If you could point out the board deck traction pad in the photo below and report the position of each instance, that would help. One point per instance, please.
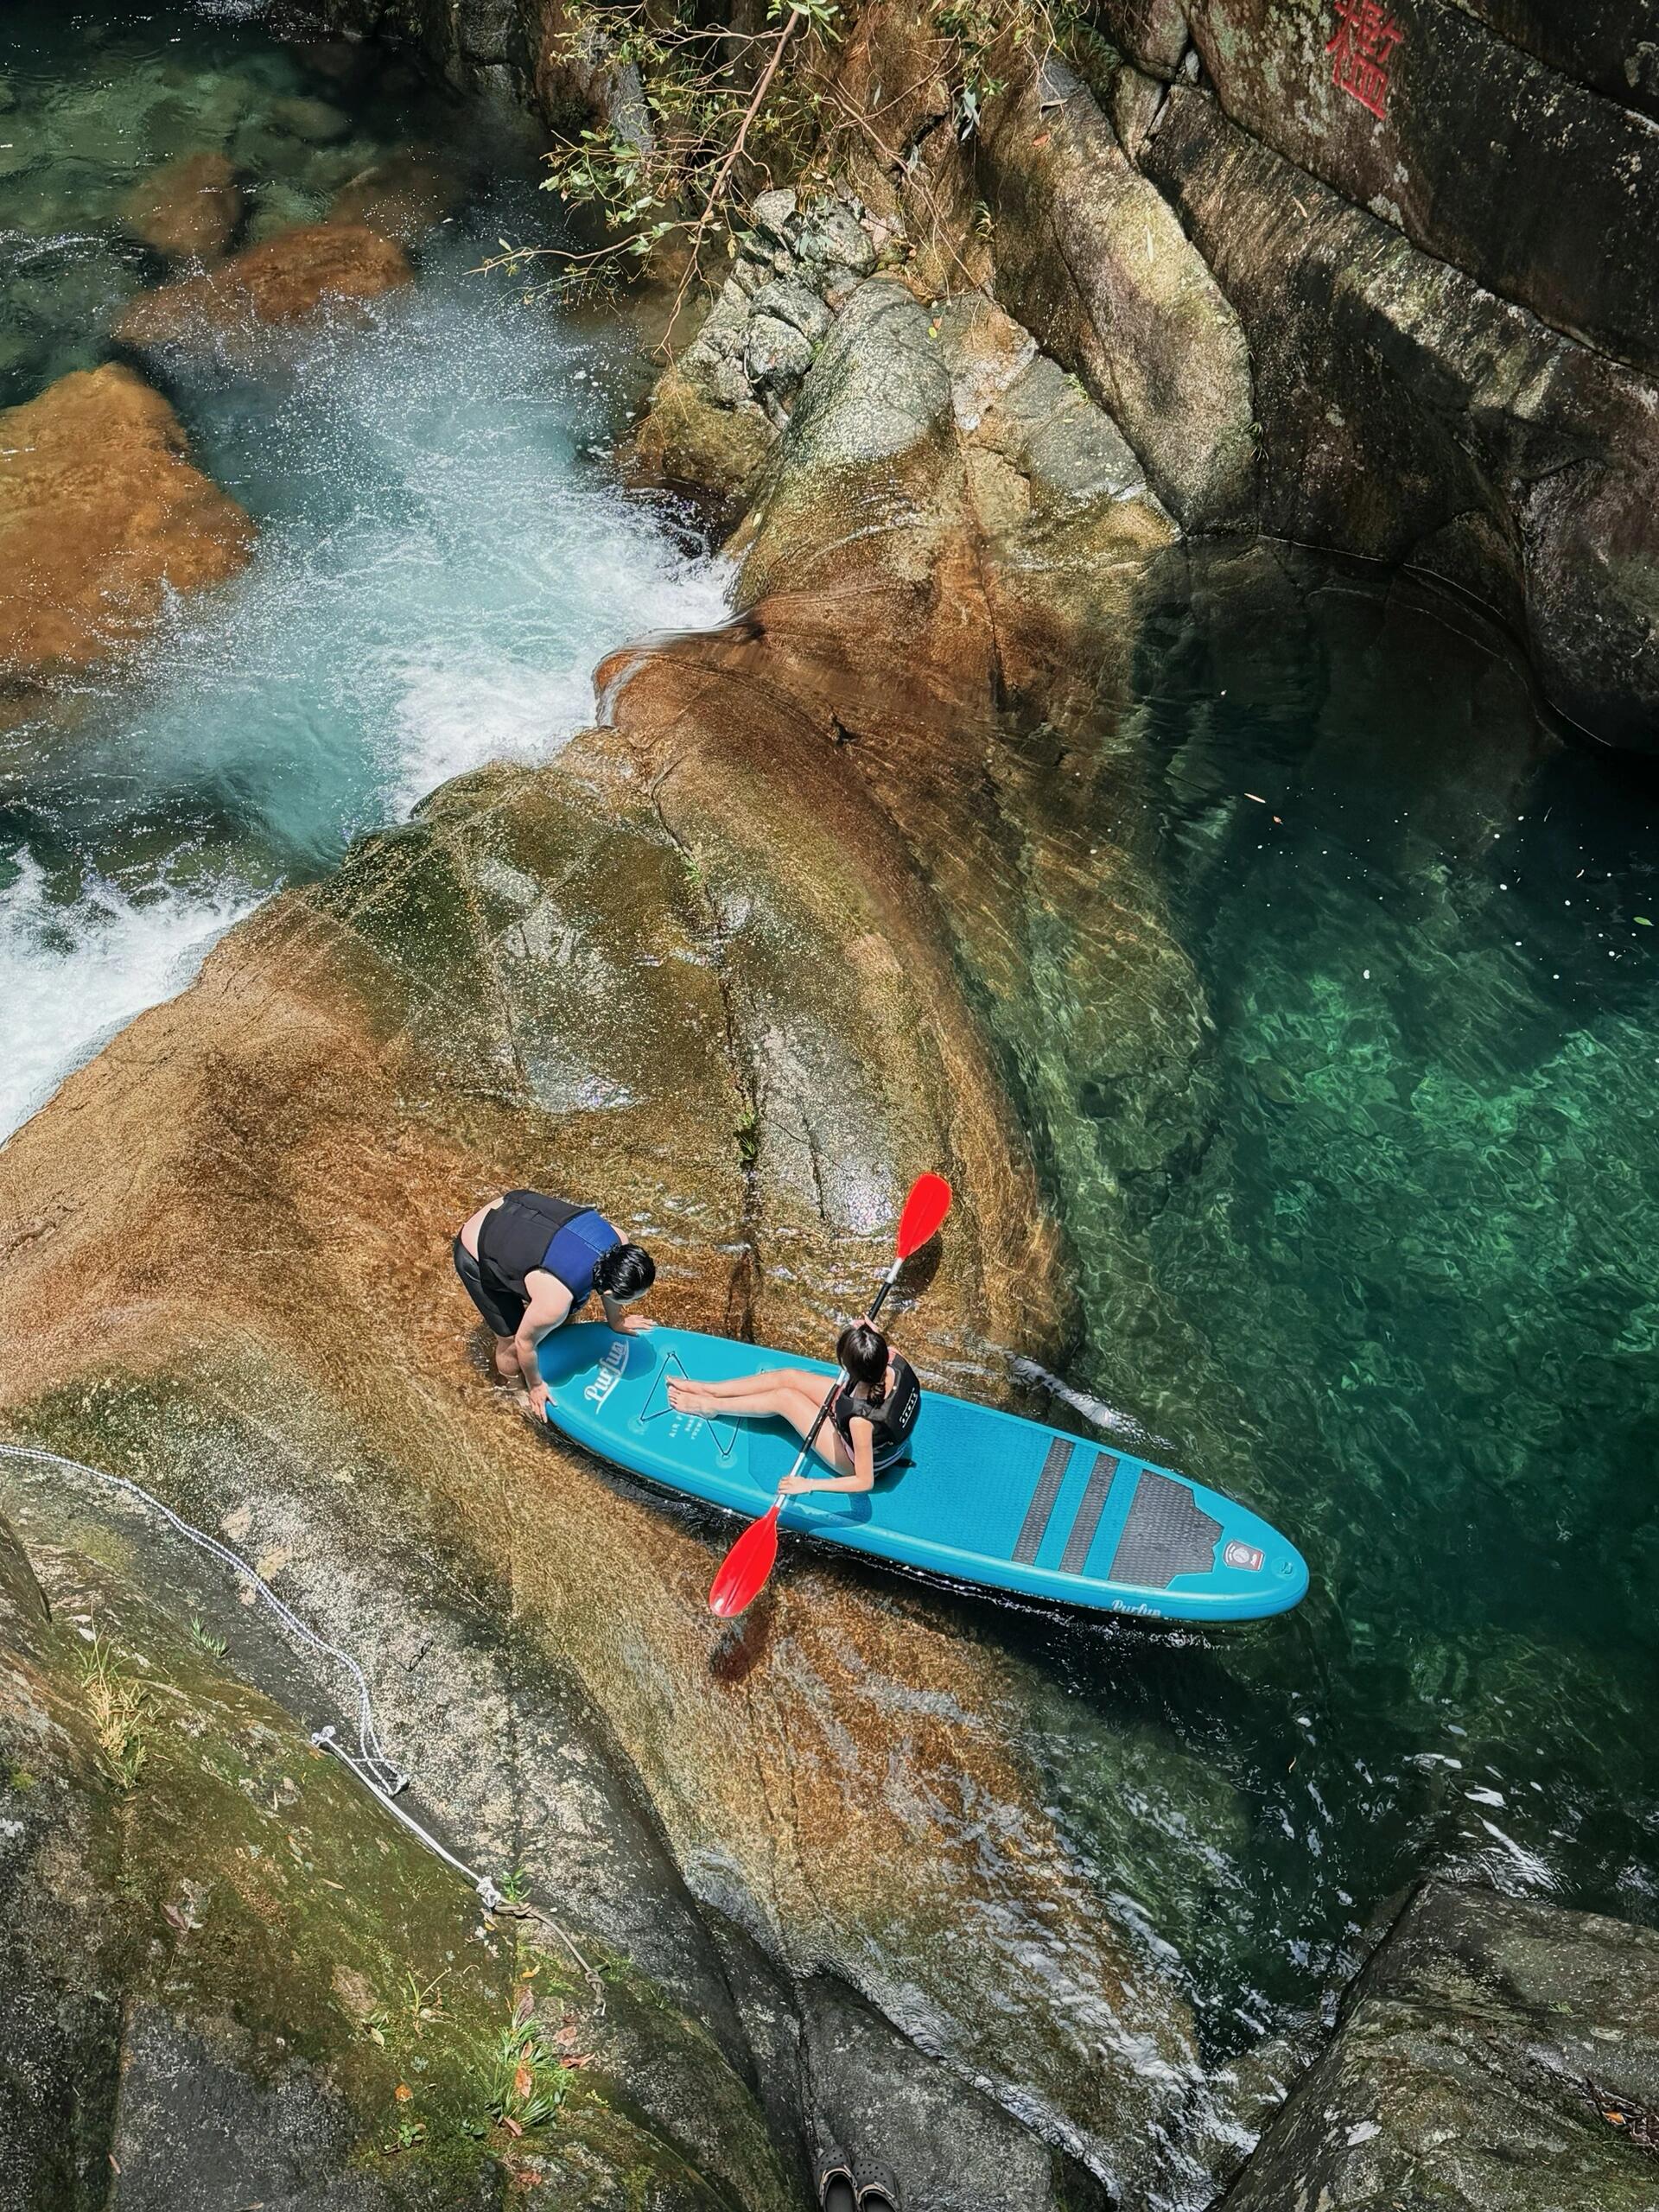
(985, 1497)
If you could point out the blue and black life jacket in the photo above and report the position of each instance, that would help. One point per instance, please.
(529, 1231)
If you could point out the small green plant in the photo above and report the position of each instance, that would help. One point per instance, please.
(204, 1641)
(424, 2003)
(532, 2079)
(515, 1889)
(20, 1779)
(120, 1709)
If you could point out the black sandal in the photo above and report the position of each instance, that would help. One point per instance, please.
(879, 2193)
(835, 2188)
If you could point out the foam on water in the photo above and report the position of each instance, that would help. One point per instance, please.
(71, 976)
(443, 557)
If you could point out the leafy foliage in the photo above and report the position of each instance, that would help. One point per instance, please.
(723, 113)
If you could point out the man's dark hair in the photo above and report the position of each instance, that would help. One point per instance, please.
(623, 1271)
(863, 1352)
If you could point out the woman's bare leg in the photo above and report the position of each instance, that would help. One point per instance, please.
(773, 1397)
(683, 1388)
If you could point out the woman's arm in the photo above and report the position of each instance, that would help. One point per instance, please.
(862, 1438)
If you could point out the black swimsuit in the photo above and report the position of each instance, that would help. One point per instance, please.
(890, 1418)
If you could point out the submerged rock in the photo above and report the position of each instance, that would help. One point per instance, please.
(188, 209)
(1495, 2056)
(400, 198)
(102, 517)
(300, 273)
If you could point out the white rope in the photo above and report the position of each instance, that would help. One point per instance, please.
(377, 1772)
(372, 1766)
(388, 1779)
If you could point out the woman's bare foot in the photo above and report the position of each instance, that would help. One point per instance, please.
(686, 1396)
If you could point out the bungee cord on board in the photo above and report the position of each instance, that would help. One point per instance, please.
(379, 1773)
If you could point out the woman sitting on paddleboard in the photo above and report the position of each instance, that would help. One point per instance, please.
(869, 1424)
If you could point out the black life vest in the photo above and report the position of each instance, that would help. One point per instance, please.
(890, 1418)
(518, 1236)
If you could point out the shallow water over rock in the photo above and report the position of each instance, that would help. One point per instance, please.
(442, 555)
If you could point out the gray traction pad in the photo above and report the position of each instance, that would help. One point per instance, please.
(1035, 1527)
(1168, 1533)
(1075, 1557)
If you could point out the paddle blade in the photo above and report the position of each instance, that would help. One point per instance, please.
(925, 1208)
(744, 1570)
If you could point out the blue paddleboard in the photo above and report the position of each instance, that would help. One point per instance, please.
(986, 1498)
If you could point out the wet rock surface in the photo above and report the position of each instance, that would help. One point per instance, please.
(102, 517)
(313, 268)
(1495, 2056)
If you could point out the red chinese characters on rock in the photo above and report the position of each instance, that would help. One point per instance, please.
(1366, 35)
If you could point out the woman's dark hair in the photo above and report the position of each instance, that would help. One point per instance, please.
(623, 1271)
(863, 1352)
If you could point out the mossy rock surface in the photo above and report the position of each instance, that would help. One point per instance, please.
(230, 1976)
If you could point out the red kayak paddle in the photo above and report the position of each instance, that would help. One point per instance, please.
(745, 1568)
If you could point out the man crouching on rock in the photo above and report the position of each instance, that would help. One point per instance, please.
(528, 1262)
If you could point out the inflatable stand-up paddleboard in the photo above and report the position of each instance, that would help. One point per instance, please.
(986, 1498)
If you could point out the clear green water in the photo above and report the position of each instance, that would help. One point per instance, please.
(1393, 1281)
(443, 556)
(1381, 1261)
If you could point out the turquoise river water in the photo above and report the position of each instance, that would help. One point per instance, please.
(1395, 1285)
(442, 550)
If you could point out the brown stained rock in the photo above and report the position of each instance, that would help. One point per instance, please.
(540, 981)
(708, 969)
(400, 198)
(188, 209)
(286, 279)
(102, 515)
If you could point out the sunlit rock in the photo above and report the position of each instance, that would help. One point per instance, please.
(289, 278)
(1092, 260)
(102, 518)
